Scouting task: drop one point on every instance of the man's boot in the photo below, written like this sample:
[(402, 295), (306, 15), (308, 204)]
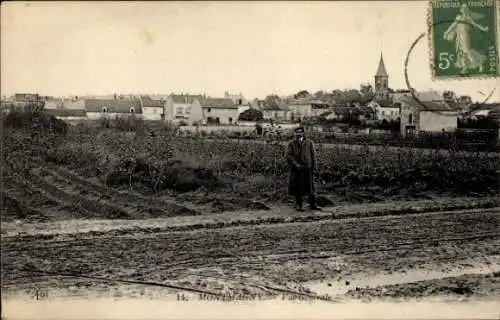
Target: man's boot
[(298, 204), (312, 203)]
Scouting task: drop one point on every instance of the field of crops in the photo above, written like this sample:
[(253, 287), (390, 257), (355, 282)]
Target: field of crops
[(162, 163)]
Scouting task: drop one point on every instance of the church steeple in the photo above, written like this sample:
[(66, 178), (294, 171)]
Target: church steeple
[(381, 81), (381, 72)]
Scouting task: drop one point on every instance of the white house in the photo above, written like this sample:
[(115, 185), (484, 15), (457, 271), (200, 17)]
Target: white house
[(152, 109), (277, 111), (239, 100), (429, 116), (178, 106), (219, 111), (299, 109), (53, 104), (385, 110)]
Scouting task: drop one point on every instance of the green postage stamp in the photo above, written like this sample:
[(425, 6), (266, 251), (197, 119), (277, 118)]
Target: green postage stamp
[(463, 38)]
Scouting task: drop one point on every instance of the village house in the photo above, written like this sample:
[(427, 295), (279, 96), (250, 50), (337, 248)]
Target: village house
[(299, 109), (258, 104), (385, 110), (483, 110), (276, 111), (430, 116), (20, 101), (219, 111), (112, 108), (319, 107), (178, 106), (239, 100), (73, 103), (53, 104), (152, 109)]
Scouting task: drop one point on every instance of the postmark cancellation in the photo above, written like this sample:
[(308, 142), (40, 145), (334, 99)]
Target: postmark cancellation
[(463, 39)]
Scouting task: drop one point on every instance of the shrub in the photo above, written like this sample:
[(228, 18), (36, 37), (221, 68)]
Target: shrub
[(35, 121)]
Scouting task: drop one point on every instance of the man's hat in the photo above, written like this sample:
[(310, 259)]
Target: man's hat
[(300, 128)]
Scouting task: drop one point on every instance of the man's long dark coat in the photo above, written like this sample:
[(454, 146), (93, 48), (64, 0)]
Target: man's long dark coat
[(303, 153)]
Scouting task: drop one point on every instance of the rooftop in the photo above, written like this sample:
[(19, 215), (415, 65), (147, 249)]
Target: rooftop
[(218, 103), (381, 71), (112, 105), (427, 105)]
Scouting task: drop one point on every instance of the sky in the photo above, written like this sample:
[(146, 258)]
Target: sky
[(257, 48)]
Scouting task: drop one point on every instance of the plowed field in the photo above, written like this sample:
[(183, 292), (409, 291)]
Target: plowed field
[(162, 247)]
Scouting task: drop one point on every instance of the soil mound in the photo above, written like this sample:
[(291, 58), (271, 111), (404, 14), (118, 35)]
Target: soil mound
[(176, 176)]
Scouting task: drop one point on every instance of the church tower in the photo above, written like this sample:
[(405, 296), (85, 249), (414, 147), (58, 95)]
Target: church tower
[(381, 81)]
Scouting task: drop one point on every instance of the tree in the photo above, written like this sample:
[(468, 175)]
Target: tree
[(320, 95), (339, 96), (352, 96), (271, 99), (367, 94), (251, 115), (366, 88), (303, 94)]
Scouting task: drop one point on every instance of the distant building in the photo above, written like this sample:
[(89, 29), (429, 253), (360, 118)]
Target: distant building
[(276, 111), (426, 117), (258, 104), (20, 101), (239, 100), (219, 111), (385, 110), (78, 104), (484, 110), (112, 108), (178, 106), (319, 107), (299, 109), (152, 109), (381, 81)]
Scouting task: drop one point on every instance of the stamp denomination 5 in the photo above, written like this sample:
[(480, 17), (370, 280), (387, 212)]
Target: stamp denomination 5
[(464, 38)]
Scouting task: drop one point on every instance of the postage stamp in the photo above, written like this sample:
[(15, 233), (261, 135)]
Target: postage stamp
[(463, 38)]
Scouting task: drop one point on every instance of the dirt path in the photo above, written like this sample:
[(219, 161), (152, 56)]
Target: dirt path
[(267, 260)]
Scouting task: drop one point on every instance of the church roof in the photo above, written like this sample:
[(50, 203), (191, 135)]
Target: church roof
[(381, 72)]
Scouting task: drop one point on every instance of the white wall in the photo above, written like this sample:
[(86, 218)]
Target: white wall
[(152, 113), (195, 113), (437, 121), (110, 115), (387, 113), (304, 110), (274, 114), (222, 114), (213, 128), (78, 104)]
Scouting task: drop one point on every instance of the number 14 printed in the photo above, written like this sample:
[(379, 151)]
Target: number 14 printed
[(464, 38)]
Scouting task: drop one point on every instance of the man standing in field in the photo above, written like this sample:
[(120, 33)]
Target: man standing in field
[(301, 156)]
